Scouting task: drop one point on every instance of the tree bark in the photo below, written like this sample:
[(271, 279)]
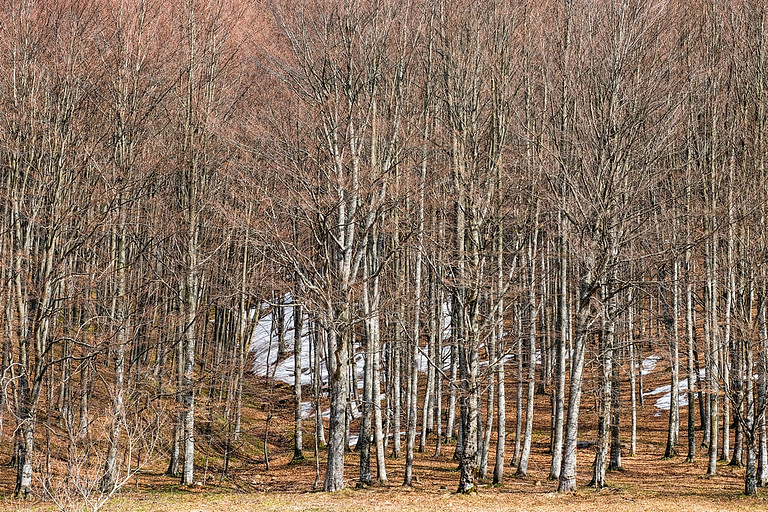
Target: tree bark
[(298, 435)]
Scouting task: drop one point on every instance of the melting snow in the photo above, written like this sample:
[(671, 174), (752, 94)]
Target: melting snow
[(649, 364), (664, 401), (264, 346)]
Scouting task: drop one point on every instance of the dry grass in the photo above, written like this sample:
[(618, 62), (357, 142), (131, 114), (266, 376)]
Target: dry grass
[(647, 482)]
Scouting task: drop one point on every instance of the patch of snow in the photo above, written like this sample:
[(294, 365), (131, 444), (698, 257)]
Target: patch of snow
[(649, 364), (264, 346), (307, 409), (664, 402)]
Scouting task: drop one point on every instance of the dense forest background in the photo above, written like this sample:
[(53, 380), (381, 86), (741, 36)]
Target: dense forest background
[(430, 201)]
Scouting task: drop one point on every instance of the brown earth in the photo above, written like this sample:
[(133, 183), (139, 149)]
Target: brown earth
[(646, 483)]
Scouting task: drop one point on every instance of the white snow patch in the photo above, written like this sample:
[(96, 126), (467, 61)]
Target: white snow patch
[(264, 346), (665, 400), (307, 409), (649, 364)]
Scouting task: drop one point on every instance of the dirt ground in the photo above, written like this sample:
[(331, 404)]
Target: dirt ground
[(646, 483)]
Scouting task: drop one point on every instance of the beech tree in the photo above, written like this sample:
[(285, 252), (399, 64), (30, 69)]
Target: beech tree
[(340, 68), (451, 198), (618, 134)]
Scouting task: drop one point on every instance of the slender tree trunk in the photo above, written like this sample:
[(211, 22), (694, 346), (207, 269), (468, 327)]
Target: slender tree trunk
[(174, 463), (188, 350), (567, 482), (438, 414), (614, 464), (501, 420), (750, 475), (426, 416), (364, 439), (298, 435), (632, 375), (562, 341), (413, 382), (396, 387), (486, 434), (122, 325), (522, 467), (378, 436), (762, 388), (673, 428), (337, 363), (606, 342), (519, 403), (454, 370), (689, 327), (714, 357), (498, 330)]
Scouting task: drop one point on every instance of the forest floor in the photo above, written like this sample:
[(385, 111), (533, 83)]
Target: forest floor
[(647, 482)]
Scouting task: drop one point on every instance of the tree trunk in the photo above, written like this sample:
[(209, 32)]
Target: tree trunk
[(485, 446), (558, 412), (714, 357), (188, 350), (364, 439), (689, 328), (632, 374), (673, 427), (122, 325), (498, 340), (453, 383), (298, 435), (522, 467), (501, 420), (337, 363), (378, 436), (567, 482), (606, 348), (614, 464), (519, 403)]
